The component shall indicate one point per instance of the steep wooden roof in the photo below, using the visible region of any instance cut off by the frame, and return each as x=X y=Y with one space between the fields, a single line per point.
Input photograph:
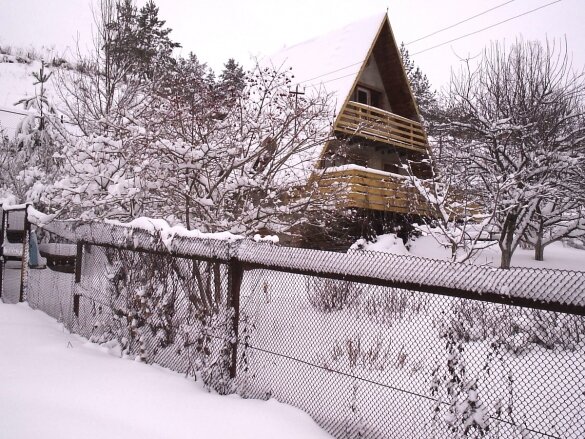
x=335 y=61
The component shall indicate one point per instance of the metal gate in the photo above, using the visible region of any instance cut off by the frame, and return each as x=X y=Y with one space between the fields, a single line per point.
x=14 y=241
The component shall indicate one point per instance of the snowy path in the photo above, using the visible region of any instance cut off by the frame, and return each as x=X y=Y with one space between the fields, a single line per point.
x=57 y=385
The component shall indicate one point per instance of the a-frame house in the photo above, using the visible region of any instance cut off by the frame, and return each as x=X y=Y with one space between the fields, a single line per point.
x=377 y=122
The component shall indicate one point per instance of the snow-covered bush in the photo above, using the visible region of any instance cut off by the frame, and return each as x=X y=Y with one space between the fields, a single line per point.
x=389 y=305
x=143 y=295
x=466 y=415
x=355 y=351
x=329 y=295
x=517 y=329
x=167 y=310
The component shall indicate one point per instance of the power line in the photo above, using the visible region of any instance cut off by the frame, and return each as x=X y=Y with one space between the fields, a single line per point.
x=35 y=115
x=438 y=45
x=15 y=112
x=458 y=23
x=488 y=27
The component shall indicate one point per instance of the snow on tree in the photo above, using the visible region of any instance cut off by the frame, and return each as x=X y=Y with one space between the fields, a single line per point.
x=455 y=220
x=27 y=161
x=239 y=163
x=518 y=117
x=232 y=79
x=140 y=40
x=108 y=106
x=235 y=155
x=555 y=219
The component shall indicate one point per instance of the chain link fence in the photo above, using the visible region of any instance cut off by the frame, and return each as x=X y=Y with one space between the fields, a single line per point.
x=370 y=345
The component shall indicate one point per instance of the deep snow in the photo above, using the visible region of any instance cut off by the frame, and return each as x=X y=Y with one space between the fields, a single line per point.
x=557 y=255
x=54 y=384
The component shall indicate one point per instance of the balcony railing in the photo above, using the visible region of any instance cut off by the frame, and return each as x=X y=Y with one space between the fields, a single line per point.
x=382 y=126
x=357 y=187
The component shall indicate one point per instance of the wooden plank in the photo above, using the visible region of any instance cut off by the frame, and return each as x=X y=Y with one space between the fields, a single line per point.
x=383 y=119
x=382 y=139
x=368 y=182
x=367 y=173
x=359 y=188
x=368 y=107
x=381 y=202
x=401 y=131
x=384 y=130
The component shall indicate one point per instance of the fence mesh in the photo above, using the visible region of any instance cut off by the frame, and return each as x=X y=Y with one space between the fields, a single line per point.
x=379 y=362
x=363 y=357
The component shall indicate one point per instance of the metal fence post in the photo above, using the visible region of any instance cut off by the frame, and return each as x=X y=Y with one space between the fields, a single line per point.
x=235 y=275
x=2 y=252
x=78 y=260
x=25 y=255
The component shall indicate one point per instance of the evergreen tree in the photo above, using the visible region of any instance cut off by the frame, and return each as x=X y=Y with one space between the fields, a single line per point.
x=35 y=144
x=140 y=40
x=425 y=96
x=155 y=48
x=124 y=33
x=232 y=79
x=33 y=132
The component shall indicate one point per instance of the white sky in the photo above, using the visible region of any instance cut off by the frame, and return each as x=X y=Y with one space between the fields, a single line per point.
x=220 y=29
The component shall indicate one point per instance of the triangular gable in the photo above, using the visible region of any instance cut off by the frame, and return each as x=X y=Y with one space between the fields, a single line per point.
x=337 y=60
x=333 y=60
x=387 y=56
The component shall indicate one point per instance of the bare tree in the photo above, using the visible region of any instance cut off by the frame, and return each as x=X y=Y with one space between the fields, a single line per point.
x=240 y=163
x=182 y=148
x=454 y=218
x=520 y=116
x=107 y=106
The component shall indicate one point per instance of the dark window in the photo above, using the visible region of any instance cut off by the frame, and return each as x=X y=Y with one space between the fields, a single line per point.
x=368 y=97
x=363 y=96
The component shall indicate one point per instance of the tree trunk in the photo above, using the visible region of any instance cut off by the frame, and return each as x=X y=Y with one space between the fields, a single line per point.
x=538 y=246
x=539 y=249
x=506 y=241
x=506 y=259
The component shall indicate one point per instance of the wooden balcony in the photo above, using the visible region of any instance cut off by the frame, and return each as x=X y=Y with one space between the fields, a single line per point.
x=382 y=126
x=357 y=187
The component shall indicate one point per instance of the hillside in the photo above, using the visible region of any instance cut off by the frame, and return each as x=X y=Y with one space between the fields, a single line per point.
x=16 y=82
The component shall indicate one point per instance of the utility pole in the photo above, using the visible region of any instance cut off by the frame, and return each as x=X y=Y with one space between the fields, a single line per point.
x=296 y=92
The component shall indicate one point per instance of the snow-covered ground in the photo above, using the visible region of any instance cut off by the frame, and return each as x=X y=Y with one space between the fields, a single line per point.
x=557 y=255
x=57 y=385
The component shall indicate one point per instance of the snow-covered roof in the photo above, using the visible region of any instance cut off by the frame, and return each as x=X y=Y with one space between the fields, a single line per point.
x=332 y=60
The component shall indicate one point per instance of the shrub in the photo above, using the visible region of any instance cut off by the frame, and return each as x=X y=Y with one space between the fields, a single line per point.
x=328 y=295
x=515 y=328
x=388 y=305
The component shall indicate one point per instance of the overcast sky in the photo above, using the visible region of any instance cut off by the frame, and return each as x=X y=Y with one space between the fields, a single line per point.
x=219 y=29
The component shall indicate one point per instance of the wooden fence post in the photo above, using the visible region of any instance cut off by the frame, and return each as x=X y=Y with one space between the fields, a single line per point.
x=235 y=276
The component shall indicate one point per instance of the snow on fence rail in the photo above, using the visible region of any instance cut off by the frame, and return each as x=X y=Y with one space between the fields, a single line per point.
x=560 y=290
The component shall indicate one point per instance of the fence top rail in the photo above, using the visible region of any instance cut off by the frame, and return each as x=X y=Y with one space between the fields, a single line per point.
x=557 y=290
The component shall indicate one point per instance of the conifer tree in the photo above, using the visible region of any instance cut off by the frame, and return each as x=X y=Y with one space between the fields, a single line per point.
x=140 y=39
x=232 y=78
x=424 y=95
